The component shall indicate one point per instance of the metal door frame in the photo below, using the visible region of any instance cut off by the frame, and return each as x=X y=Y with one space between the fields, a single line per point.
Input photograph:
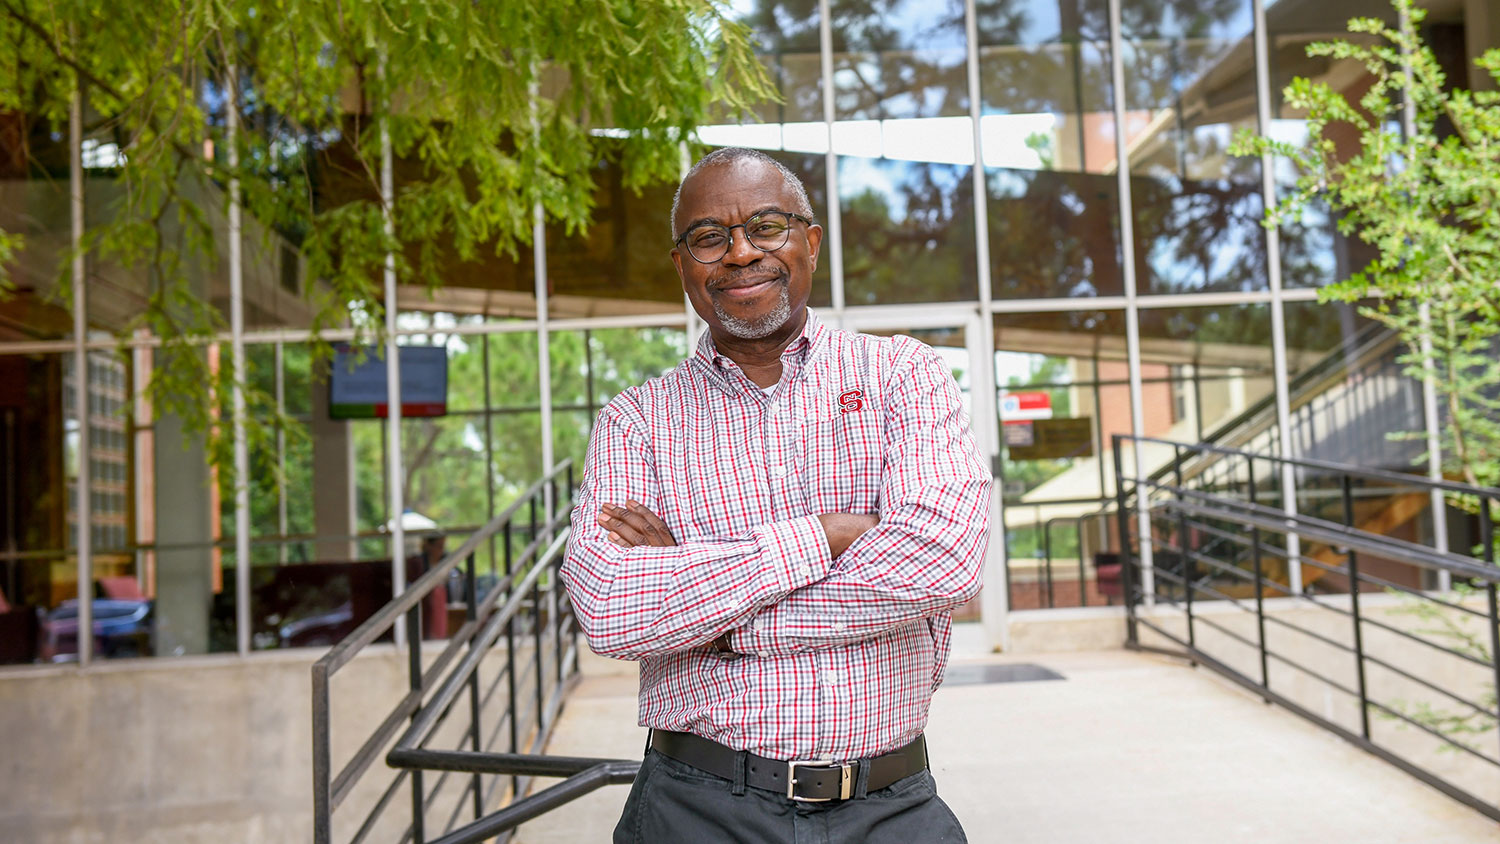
x=984 y=420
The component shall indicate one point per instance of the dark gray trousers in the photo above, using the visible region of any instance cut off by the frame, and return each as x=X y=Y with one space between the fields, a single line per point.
x=674 y=802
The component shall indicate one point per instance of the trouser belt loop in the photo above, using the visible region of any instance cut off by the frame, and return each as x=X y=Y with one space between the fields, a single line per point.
x=741 y=761
x=862 y=782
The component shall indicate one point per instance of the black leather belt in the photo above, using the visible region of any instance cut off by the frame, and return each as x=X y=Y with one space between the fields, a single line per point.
x=805 y=780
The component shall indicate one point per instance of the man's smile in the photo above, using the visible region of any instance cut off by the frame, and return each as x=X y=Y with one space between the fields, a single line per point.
x=742 y=287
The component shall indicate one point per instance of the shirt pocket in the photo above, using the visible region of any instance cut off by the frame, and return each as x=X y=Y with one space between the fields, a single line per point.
x=844 y=458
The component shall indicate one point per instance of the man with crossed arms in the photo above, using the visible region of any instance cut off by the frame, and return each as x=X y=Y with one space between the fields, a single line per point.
x=778 y=530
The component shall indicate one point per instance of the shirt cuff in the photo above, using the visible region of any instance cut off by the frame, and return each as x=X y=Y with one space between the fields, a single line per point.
x=802 y=549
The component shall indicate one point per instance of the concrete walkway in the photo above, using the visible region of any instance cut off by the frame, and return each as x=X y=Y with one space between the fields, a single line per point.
x=1128 y=748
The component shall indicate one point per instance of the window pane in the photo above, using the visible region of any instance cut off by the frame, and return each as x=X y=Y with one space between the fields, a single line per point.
x=1190 y=83
x=908 y=231
x=1047 y=135
x=621 y=265
x=1063 y=394
x=1313 y=252
x=905 y=63
x=512 y=368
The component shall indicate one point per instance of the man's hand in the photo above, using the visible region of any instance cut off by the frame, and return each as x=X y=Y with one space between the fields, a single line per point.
x=843 y=528
x=634 y=525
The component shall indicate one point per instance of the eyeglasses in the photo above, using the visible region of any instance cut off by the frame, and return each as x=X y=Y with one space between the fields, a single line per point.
x=767 y=231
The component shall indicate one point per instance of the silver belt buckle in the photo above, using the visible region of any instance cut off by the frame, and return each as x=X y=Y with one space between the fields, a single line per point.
x=846 y=779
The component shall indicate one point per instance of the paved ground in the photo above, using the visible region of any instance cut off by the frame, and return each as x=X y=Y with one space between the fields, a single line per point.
x=1128 y=748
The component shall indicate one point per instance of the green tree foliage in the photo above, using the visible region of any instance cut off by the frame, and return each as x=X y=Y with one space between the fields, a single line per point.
x=1429 y=202
x=492 y=109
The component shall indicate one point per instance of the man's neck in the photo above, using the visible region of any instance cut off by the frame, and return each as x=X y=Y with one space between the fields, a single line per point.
x=760 y=359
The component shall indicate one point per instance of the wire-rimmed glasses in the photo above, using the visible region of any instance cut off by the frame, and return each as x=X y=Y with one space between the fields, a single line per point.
x=767 y=231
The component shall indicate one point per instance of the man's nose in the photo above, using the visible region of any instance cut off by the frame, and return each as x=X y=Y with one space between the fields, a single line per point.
x=741 y=250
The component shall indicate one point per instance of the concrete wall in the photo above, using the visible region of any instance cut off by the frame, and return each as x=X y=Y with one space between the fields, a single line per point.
x=196 y=749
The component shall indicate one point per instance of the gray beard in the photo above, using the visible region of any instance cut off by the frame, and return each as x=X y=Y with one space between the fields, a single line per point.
x=755 y=329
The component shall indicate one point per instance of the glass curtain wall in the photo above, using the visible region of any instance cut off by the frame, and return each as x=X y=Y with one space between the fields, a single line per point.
x=886 y=145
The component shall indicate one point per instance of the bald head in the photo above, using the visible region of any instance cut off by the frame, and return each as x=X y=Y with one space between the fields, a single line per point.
x=741 y=156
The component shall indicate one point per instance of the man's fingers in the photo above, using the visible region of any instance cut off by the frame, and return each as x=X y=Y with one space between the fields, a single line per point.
x=618 y=521
x=659 y=530
x=634 y=525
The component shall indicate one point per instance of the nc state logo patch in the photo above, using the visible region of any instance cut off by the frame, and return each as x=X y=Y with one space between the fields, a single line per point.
x=851 y=401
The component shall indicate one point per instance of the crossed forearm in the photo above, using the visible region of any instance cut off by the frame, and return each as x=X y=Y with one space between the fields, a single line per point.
x=635 y=525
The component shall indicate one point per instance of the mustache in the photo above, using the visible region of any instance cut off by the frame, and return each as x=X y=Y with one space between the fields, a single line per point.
x=739 y=277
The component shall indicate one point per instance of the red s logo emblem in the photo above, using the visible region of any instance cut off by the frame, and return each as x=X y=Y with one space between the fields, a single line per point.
x=851 y=401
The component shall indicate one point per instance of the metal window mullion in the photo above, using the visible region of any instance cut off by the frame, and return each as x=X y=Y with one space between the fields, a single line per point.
x=1278 y=312
x=543 y=329
x=1430 y=417
x=1132 y=311
x=83 y=509
x=695 y=326
x=281 y=514
x=996 y=615
x=394 y=462
x=543 y=335
x=237 y=358
x=834 y=242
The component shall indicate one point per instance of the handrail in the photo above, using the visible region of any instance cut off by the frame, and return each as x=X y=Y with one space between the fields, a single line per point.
x=1421 y=481
x=423 y=723
x=372 y=627
x=1182 y=510
x=515 y=600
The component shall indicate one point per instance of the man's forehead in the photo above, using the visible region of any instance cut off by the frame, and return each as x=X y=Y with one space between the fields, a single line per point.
x=727 y=185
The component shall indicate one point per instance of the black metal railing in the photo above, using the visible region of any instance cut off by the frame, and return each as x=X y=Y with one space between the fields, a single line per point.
x=1432 y=686
x=523 y=633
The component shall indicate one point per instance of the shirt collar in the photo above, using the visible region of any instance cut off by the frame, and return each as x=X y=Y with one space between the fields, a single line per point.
x=726 y=373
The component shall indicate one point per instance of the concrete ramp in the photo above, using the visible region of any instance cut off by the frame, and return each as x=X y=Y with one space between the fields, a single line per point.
x=1127 y=748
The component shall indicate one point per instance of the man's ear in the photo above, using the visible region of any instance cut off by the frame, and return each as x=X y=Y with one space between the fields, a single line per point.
x=677 y=262
x=814 y=241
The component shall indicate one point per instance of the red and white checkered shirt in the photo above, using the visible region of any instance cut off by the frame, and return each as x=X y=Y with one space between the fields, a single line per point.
x=841 y=657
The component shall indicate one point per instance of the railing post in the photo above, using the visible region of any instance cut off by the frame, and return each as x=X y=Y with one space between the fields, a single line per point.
x=414 y=666
x=476 y=740
x=1182 y=547
x=536 y=651
x=531 y=535
x=552 y=503
x=1260 y=605
x=1132 y=637
x=1487 y=538
x=574 y=633
x=510 y=660
x=1083 y=577
x=554 y=614
x=322 y=761
x=1359 y=646
x=1047 y=561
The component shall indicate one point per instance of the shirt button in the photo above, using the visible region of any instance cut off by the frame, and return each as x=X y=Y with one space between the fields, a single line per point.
x=838 y=627
x=778 y=471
